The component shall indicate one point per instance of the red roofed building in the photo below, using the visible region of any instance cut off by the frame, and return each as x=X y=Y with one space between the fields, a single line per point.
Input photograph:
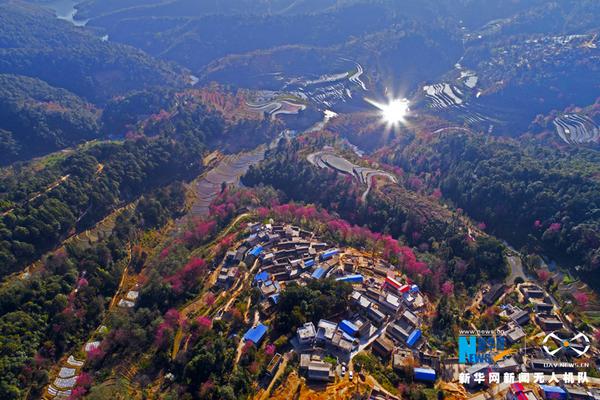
x=394 y=284
x=516 y=392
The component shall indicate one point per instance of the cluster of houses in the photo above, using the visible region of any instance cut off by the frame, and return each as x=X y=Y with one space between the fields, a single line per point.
x=384 y=312
x=541 y=304
x=387 y=301
x=517 y=391
x=285 y=253
x=385 y=315
x=533 y=314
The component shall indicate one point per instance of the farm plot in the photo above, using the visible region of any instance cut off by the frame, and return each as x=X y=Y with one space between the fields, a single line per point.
x=363 y=175
x=229 y=170
x=294 y=93
x=445 y=97
x=576 y=128
x=276 y=103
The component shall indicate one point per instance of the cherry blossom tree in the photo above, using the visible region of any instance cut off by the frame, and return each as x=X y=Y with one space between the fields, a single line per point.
x=543 y=275
x=581 y=298
x=447 y=288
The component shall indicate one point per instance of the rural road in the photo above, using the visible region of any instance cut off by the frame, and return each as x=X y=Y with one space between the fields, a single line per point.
x=516 y=269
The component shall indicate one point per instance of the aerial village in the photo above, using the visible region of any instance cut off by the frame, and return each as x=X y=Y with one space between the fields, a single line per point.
x=387 y=317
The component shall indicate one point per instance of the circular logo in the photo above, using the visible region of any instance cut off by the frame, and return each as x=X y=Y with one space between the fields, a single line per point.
x=567 y=344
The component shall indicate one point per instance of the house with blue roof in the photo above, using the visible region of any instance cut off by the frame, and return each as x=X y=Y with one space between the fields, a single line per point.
x=261 y=277
x=318 y=273
x=256 y=251
x=355 y=278
x=256 y=334
x=413 y=338
x=553 y=392
x=348 y=327
x=424 y=374
x=329 y=254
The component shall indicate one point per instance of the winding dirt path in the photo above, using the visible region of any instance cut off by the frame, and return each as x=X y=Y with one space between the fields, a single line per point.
x=53 y=186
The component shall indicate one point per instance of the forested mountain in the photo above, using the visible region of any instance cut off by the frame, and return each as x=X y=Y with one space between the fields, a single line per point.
x=87 y=186
x=195 y=41
x=36 y=44
x=510 y=46
x=46 y=315
x=186 y=8
x=384 y=53
x=39 y=210
x=532 y=195
x=38 y=118
x=472 y=12
x=395 y=209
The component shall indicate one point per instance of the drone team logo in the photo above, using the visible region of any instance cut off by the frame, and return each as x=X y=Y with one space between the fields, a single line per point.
x=565 y=345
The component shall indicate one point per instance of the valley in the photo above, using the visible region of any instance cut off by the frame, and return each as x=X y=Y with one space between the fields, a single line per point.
x=307 y=199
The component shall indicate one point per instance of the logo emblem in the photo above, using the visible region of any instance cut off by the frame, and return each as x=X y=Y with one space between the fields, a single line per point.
x=482 y=349
x=567 y=344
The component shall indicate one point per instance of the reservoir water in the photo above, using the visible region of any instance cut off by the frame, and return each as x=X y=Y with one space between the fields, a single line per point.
x=65 y=9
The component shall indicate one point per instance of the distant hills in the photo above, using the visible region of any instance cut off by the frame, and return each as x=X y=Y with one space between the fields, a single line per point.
x=55 y=79
x=37 y=118
x=34 y=43
x=191 y=8
x=194 y=39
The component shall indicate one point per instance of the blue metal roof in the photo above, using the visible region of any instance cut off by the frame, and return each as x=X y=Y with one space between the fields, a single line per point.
x=425 y=374
x=261 y=276
x=413 y=338
x=348 y=327
x=329 y=254
x=357 y=278
x=318 y=274
x=256 y=334
x=552 y=389
x=309 y=263
x=256 y=251
x=425 y=370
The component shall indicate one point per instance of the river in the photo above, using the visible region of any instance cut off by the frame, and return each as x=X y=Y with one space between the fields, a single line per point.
x=65 y=9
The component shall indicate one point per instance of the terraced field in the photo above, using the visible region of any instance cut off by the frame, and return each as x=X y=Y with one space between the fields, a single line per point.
x=277 y=105
x=323 y=91
x=363 y=175
x=458 y=106
x=228 y=170
x=443 y=95
x=331 y=89
x=576 y=128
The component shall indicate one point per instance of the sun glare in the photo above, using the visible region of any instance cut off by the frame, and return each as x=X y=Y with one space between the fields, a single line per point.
x=394 y=112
